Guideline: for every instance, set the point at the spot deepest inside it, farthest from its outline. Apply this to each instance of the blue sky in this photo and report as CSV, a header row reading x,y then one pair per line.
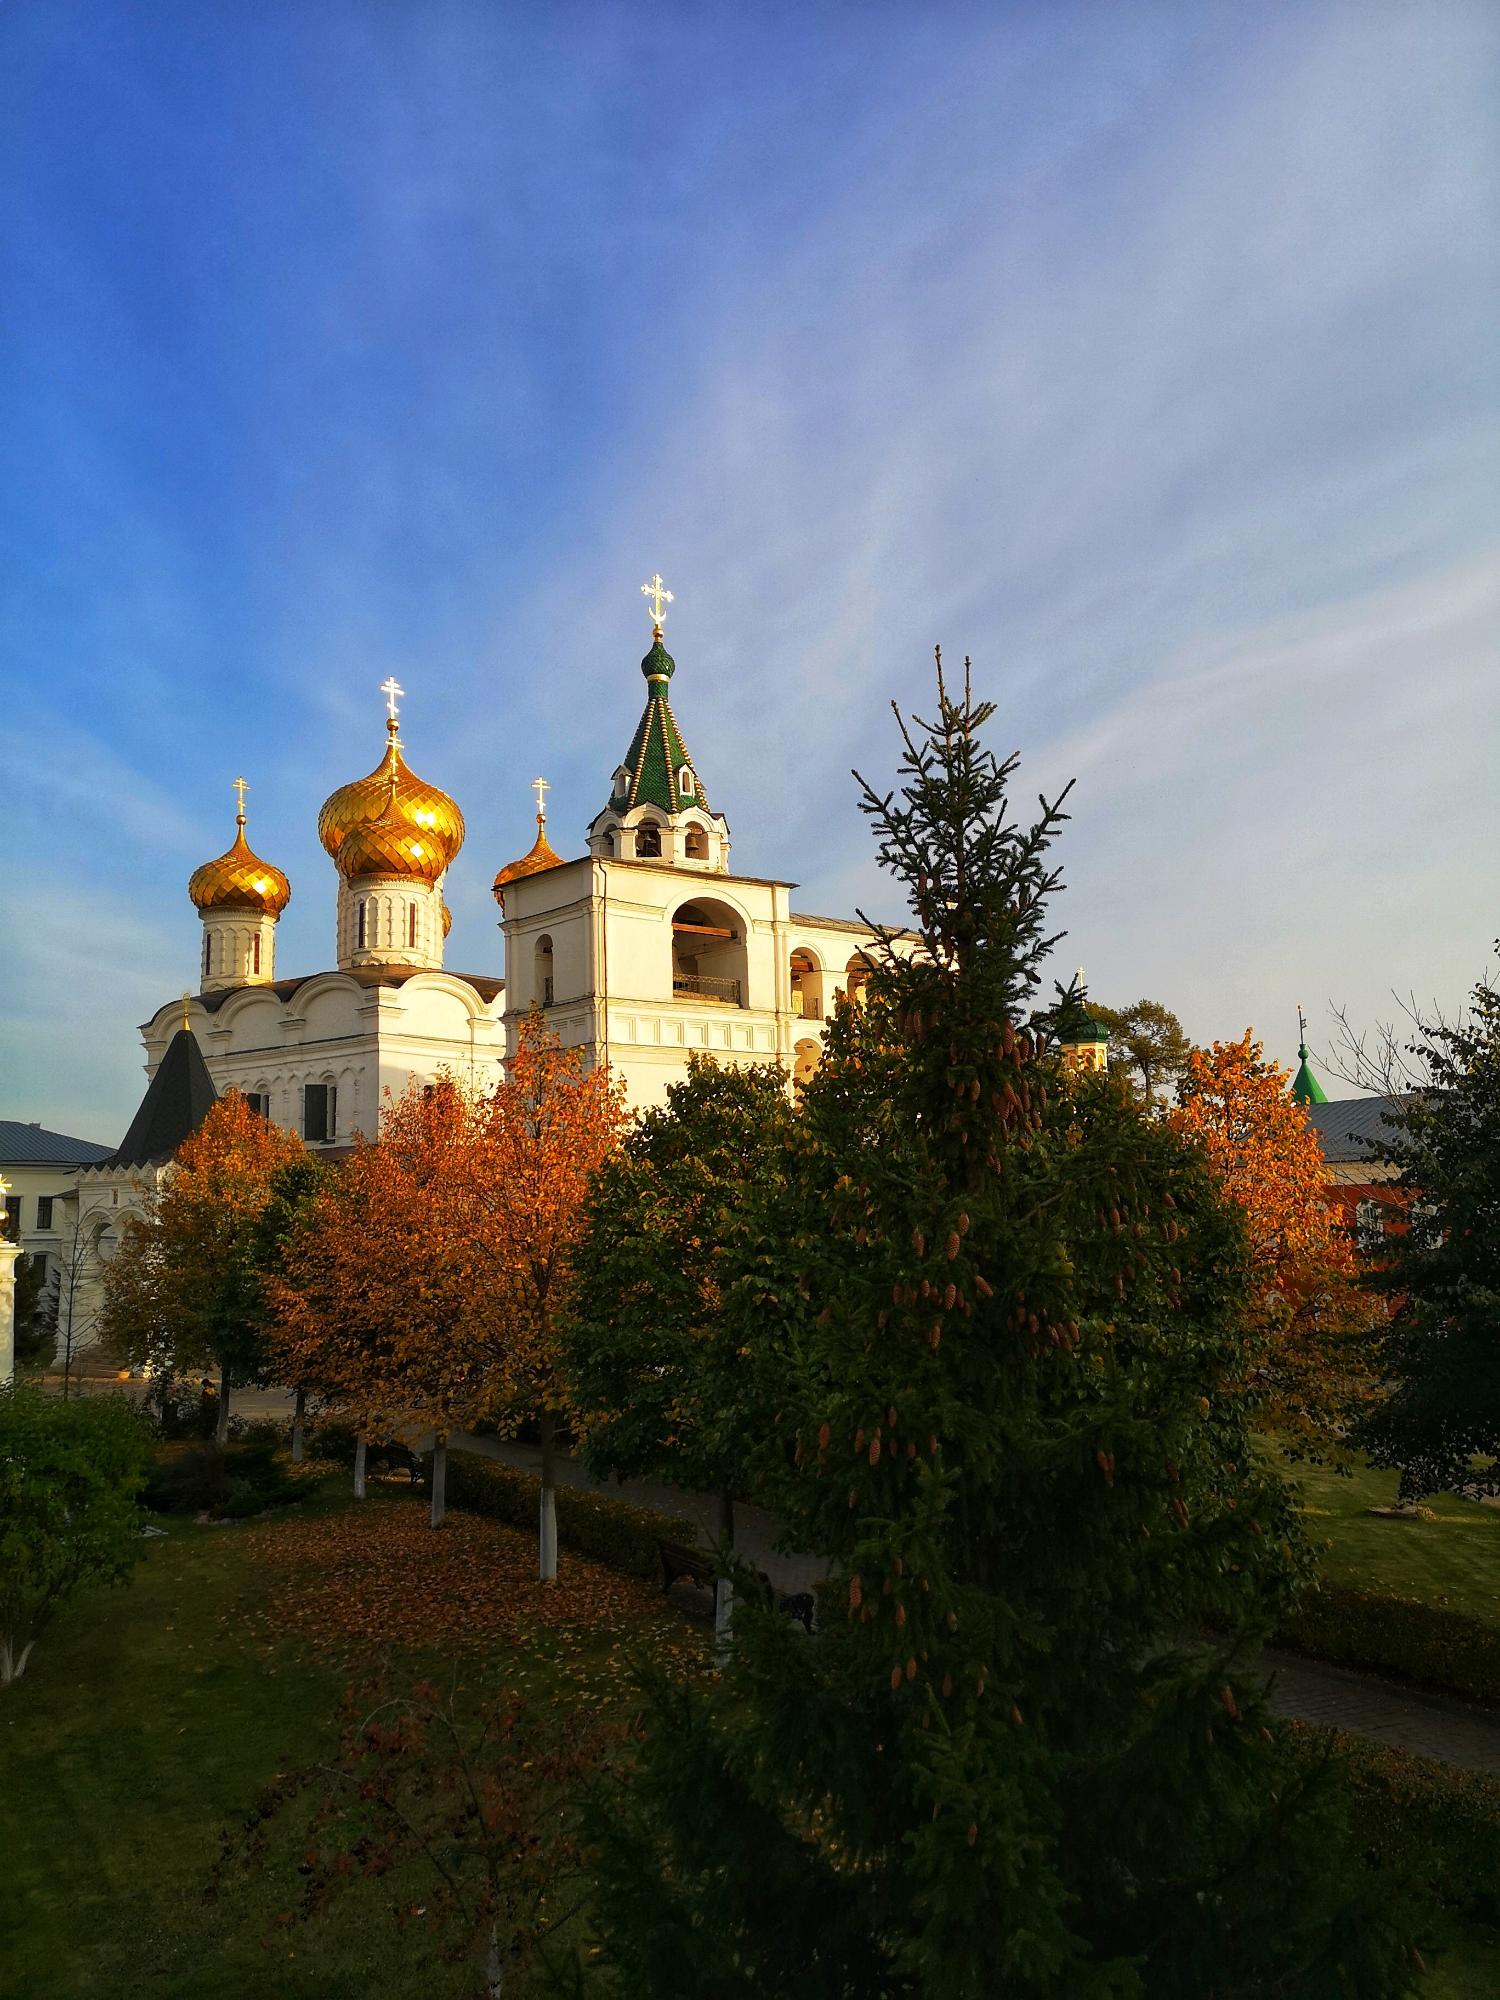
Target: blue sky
x,y
1146,353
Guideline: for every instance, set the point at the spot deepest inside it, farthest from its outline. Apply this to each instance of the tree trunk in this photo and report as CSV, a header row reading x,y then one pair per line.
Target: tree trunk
x,y
547,1534
298,1408
723,1588
221,1431
359,1469
439,1480
494,1969
12,1663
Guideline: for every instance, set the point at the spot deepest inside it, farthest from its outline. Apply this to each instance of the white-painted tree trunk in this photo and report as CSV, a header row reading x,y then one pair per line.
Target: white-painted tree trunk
x,y
12,1663
439,1481
723,1588
359,1470
298,1409
547,1525
221,1432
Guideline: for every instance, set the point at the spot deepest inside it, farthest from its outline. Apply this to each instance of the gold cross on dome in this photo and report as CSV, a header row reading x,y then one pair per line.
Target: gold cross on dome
x,y
390,689
660,598
241,786
541,788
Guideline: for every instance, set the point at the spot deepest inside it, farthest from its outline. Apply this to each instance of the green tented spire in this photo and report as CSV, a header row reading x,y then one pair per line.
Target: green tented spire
x,y
1306,1088
657,757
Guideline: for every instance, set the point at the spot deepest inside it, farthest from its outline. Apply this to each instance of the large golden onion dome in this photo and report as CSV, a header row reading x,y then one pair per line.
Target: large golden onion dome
x,y
240,880
542,855
392,822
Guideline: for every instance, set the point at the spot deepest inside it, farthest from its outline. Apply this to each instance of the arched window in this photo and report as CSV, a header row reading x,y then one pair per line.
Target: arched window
x,y
648,840
544,989
807,986
255,953
208,945
363,905
411,926
696,848
857,977
708,955
805,1059
686,783
622,782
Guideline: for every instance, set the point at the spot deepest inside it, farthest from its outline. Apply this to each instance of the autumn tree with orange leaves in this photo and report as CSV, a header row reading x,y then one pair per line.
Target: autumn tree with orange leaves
x,y
423,1290
1316,1325
552,1123
185,1291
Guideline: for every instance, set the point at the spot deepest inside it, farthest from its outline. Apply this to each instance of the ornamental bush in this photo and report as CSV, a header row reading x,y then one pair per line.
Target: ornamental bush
x,y
70,1471
1429,1644
591,1524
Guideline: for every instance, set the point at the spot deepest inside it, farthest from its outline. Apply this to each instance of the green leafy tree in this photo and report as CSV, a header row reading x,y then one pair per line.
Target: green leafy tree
x,y
1440,1422
658,1374
1146,1040
1004,1306
70,1471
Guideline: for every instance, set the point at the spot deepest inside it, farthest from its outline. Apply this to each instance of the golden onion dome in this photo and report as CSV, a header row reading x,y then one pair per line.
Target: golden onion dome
x,y
240,880
392,822
542,855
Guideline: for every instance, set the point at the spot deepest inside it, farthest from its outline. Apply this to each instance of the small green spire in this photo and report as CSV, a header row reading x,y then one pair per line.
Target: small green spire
x,y
658,664
1306,1088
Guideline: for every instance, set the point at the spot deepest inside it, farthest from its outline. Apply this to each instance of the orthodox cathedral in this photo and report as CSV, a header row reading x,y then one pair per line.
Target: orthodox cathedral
x,y
639,951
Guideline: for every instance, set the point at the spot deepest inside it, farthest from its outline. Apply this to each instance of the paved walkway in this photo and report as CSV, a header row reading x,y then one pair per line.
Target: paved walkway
x,y
1426,1725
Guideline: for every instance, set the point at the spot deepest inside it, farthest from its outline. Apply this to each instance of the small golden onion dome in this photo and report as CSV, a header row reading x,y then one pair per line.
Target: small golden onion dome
x,y
240,880
447,920
542,855
392,822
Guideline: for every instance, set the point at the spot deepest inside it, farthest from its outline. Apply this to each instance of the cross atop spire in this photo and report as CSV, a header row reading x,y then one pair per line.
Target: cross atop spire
x,y
241,786
660,597
391,688
541,788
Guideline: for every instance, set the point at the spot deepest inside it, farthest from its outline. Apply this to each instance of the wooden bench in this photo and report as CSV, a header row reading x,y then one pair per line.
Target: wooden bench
x,y
681,1564
390,1455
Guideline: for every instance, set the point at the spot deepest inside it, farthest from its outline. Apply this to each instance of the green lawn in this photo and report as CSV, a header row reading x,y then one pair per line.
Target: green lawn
x,y
1452,1559
152,1715
147,1718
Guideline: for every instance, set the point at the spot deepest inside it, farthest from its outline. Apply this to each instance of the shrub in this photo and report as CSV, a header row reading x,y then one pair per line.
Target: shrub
x,y
1426,1643
196,1477
1420,1818
610,1531
70,1470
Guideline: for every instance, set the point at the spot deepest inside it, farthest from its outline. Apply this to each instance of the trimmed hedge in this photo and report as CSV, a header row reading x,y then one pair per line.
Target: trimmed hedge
x,y
1423,1819
1451,1651
611,1531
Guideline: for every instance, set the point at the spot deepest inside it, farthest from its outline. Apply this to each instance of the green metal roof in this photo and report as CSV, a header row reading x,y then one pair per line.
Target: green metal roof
x,y
1306,1088
657,752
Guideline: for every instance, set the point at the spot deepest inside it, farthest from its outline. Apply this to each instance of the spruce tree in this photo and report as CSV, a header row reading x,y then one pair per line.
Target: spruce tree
x,y
1441,1270
1000,1308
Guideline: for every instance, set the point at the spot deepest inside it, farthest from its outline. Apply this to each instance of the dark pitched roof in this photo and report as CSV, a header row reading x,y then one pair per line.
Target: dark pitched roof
x,y
34,1146
1345,1126
178,1099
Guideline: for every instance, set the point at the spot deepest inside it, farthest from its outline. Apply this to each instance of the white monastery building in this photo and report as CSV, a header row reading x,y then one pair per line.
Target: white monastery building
x,y
642,950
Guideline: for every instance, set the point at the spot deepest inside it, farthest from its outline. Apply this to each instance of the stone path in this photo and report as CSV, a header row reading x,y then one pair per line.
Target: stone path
x,y
1426,1725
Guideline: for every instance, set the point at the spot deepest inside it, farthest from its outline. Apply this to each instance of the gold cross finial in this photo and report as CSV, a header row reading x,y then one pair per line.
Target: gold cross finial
x,y
660,598
541,788
186,1003
241,786
390,688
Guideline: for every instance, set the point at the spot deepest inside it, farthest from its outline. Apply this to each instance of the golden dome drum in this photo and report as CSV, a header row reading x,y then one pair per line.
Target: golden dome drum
x,y
391,823
542,855
240,880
